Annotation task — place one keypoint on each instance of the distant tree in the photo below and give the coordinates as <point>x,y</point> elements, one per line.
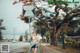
<point>1,38</point>
<point>1,28</point>
<point>21,38</point>
<point>26,35</point>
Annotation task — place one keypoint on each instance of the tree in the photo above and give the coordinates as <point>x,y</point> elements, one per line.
<point>1,28</point>
<point>53,23</point>
<point>26,35</point>
<point>1,38</point>
<point>47,35</point>
<point>21,38</point>
<point>40,29</point>
<point>74,28</point>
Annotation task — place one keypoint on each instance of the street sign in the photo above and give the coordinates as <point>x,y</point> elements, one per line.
<point>28,10</point>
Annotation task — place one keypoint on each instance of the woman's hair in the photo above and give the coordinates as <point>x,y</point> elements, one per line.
<point>34,33</point>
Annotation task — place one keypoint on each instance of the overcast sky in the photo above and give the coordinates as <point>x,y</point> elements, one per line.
<point>10,13</point>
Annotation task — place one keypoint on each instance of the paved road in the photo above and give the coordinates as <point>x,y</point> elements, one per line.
<point>17,47</point>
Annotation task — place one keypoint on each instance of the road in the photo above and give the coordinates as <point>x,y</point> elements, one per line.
<point>16,47</point>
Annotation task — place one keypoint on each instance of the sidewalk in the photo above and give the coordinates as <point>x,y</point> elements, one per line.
<point>66,50</point>
<point>57,49</point>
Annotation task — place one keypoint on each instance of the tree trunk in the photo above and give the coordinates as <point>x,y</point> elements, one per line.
<point>52,39</point>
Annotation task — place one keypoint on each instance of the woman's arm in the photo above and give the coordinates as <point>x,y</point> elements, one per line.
<point>39,38</point>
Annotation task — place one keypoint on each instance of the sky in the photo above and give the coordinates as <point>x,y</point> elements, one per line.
<point>10,13</point>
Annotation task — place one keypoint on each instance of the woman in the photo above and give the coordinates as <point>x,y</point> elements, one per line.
<point>35,41</point>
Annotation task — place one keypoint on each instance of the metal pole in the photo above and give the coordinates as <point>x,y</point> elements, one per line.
<point>14,34</point>
<point>29,29</point>
<point>38,50</point>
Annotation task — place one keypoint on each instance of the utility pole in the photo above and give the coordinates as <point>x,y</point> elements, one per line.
<point>14,34</point>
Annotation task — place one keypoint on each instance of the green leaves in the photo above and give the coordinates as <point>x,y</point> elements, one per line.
<point>47,34</point>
